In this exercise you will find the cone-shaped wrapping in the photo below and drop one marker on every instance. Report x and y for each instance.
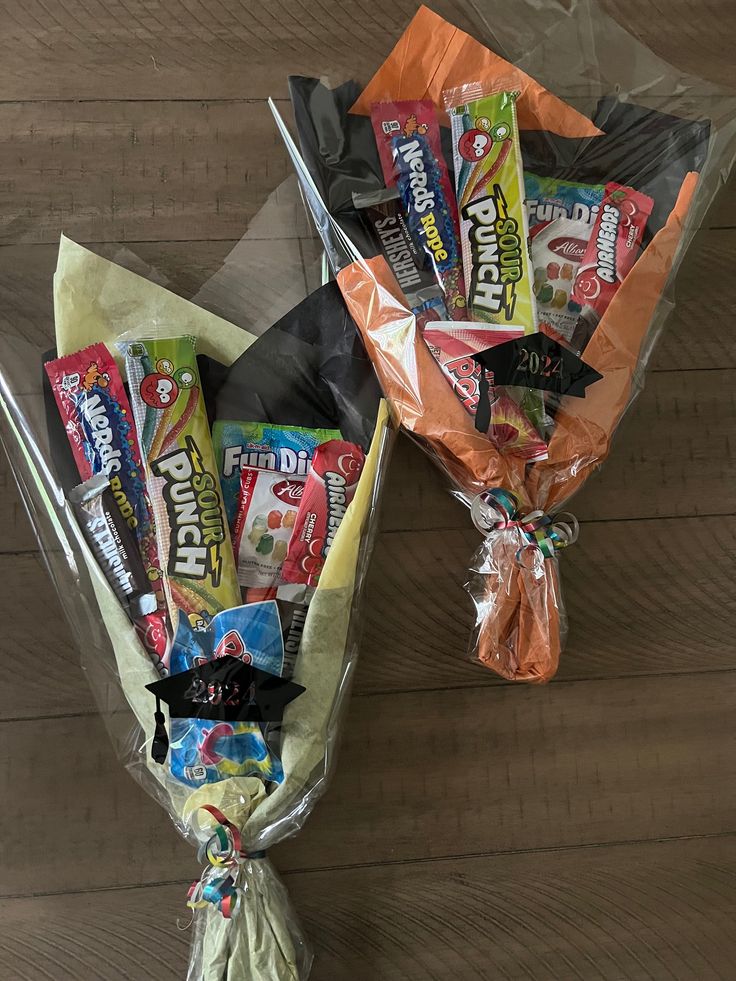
(433, 55)
(519, 633)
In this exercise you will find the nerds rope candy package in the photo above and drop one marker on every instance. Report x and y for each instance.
(196, 554)
(426, 192)
(100, 426)
(286, 450)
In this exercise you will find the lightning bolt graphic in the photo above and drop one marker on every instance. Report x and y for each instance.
(215, 564)
(194, 455)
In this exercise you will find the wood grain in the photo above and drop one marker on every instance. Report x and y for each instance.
(123, 171)
(421, 775)
(672, 458)
(149, 171)
(642, 598)
(264, 276)
(209, 49)
(641, 912)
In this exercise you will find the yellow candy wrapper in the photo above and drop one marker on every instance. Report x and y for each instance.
(489, 181)
(195, 551)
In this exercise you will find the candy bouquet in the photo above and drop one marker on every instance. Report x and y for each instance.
(505, 232)
(205, 500)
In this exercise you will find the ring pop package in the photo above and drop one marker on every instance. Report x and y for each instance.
(581, 165)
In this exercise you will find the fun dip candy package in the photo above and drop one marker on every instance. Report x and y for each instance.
(327, 493)
(411, 131)
(195, 551)
(265, 520)
(287, 450)
(489, 182)
(548, 198)
(453, 346)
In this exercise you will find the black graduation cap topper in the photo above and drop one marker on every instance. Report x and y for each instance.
(223, 690)
(538, 361)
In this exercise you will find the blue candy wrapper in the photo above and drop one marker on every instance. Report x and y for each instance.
(204, 751)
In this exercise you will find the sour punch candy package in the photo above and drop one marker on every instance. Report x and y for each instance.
(489, 181)
(195, 551)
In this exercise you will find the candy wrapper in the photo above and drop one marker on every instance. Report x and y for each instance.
(584, 122)
(226, 711)
(408, 139)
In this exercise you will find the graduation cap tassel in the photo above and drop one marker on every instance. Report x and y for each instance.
(160, 745)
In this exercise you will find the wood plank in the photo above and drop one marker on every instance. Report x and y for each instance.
(162, 170)
(207, 49)
(422, 775)
(263, 277)
(672, 457)
(664, 600)
(634, 912)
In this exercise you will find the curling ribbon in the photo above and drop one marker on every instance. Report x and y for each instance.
(496, 509)
(224, 852)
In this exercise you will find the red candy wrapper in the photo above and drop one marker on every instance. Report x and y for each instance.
(328, 491)
(613, 248)
(99, 424)
(453, 346)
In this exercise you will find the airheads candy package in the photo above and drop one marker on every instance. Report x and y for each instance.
(266, 516)
(265, 446)
(558, 248)
(453, 346)
(101, 429)
(489, 182)
(386, 225)
(205, 751)
(410, 133)
(196, 554)
(548, 198)
(614, 247)
(329, 489)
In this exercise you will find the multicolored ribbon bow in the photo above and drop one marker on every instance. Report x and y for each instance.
(224, 852)
(494, 510)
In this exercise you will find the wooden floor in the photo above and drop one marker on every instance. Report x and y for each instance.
(475, 830)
